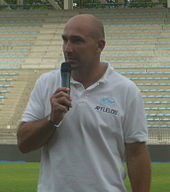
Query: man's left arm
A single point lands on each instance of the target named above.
(139, 167)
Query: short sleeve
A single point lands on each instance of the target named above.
(135, 125)
(35, 106)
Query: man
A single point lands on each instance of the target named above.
(84, 147)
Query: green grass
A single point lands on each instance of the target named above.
(161, 177)
(18, 177)
(23, 177)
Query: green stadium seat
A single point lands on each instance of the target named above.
(149, 78)
(19, 33)
(144, 73)
(142, 67)
(8, 73)
(158, 126)
(158, 115)
(5, 85)
(3, 91)
(23, 21)
(17, 38)
(153, 84)
(156, 96)
(157, 102)
(157, 108)
(9, 68)
(8, 79)
(15, 44)
(10, 62)
(155, 90)
(158, 119)
(12, 56)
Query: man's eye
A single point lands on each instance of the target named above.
(64, 40)
(77, 40)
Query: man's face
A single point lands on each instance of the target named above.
(79, 45)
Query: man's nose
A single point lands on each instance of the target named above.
(68, 47)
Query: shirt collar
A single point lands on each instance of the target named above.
(107, 73)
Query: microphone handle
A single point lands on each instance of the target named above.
(66, 79)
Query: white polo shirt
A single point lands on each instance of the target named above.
(87, 151)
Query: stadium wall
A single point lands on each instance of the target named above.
(158, 153)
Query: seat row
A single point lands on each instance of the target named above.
(8, 73)
(7, 79)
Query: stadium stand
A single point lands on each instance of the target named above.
(138, 43)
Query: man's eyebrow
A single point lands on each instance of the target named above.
(72, 36)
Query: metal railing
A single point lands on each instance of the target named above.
(82, 4)
(113, 4)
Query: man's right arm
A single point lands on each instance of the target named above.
(34, 134)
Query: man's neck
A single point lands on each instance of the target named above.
(89, 77)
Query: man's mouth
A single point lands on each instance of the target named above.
(72, 60)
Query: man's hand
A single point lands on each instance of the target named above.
(60, 103)
(33, 135)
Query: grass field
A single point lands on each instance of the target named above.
(22, 177)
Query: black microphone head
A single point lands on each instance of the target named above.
(66, 66)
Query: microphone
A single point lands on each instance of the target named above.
(65, 74)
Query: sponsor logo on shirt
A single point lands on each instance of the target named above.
(107, 101)
(107, 109)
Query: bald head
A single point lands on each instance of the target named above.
(90, 22)
(83, 41)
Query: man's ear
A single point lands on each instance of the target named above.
(101, 45)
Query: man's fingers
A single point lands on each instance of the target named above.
(62, 101)
(62, 89)
(60, 94)
(60, 108)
